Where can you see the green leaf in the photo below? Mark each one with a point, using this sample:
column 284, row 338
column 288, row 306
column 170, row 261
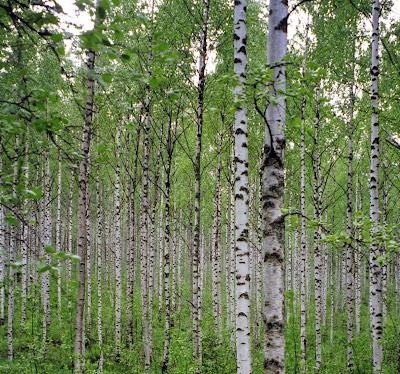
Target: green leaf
column 49, row 249
column 36, row 193
column 11, row 219
column 57, row 37
column 74, row 258
column 125, row 57
column 44, row 268
column 106, row 77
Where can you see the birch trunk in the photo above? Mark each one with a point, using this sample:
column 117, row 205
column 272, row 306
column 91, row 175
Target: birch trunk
column 167, row 262
column 216, row 260
column 303, row 245
column 79, row 366
column 375, row 272
column 357, row 271
column 117, row 246
column 317, row 192
column 24, row 249
column 243, row 347
column 12, row 258
column 196, row 302
column 2, row 251
column 273, row 191
column 144, row 234
column 232, row 245
column 46, row 242
column 350, row 233
column 69, row 231
column 132, row 243
column 99, row 254
column 58, row 234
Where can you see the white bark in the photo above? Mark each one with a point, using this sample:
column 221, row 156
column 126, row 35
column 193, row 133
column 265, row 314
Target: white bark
column 243, row 348
column 24, row 250
column 58, row 234
column 12, row 258
column 303, row 245
column 196, row 302
column 317, row 198
column 144, row 236
column 216, row 251
column 79, row 343
column 2, row 252
column 117, row 246
column 46, row 242
column 350, row 233
column 69, row 231
column 273, row 191
column 99, row 253
column 375, row 273
column 167, row 259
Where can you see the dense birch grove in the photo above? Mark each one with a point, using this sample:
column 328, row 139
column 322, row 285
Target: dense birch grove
column 199, row 187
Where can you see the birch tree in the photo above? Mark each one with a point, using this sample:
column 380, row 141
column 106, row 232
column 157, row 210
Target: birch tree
column 242, row 251
column 375, row 271
column 273, row 190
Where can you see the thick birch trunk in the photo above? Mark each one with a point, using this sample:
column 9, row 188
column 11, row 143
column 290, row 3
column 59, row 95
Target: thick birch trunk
column 273, row 192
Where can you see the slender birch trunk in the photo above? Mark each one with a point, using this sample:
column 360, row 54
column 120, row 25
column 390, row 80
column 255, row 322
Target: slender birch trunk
column 232, row 244
column 99, row 254
column 24, row 249
column 117, row 246
column 350, row 233
column 289, row 252
column 303, row 234
column 303, row 244
column 2, row 251
column 132, row 243
column 375, row 272
column 273, row 192
column 243, row 348
column 161, row 259
column 357, row 270
column 58, row 234
column 196, row 302
column 144, row 234
column 69, row 231
column 317, row 192
column 12, row 257
column 216, row 260
column 167, row 259
column 79, row 366
column 46, row 242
